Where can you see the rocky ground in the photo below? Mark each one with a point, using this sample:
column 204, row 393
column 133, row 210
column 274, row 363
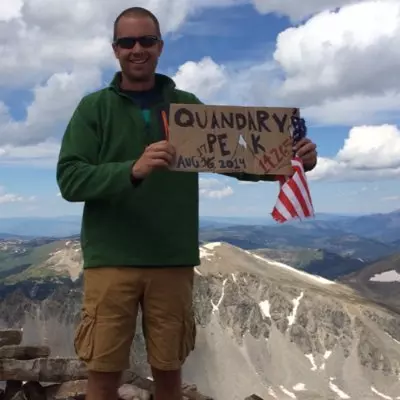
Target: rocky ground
column 30, row 373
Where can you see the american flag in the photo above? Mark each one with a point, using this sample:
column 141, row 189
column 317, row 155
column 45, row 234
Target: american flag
column 294, row 198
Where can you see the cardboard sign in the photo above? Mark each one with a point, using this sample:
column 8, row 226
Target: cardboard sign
column 225, row 139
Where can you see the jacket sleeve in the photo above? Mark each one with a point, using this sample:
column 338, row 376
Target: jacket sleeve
column 79, row 175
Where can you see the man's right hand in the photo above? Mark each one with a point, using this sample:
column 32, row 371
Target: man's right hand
column 157, row 155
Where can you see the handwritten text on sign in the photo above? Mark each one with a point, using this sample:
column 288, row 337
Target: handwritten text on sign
column 231, row 139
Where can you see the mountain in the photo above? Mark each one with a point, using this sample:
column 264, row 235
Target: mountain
column 382, row 227
column 307, row 235
column 263, row 327
column 24, row 259
column 51, row 258
column 285, row 329
column 63, row 226
column 378, row 281
column 314, row 261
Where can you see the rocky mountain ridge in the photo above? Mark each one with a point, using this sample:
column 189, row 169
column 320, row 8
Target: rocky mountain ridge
column 263, row 327
column 46, row 259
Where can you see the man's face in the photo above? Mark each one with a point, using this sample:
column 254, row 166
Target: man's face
column 138, row 62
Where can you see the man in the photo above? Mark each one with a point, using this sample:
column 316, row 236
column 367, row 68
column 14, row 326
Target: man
column 140, row 223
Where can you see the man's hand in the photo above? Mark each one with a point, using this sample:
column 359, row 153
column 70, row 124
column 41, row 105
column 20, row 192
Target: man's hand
column 306, row 150
column 157, row 155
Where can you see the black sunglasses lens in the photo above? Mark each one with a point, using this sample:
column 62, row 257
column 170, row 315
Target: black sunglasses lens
column 147, row 41
column 126, row 43
column 130, row 42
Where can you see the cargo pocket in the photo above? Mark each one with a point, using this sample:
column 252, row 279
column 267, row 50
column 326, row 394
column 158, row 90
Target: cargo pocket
column 85, row 335
column 189, row 336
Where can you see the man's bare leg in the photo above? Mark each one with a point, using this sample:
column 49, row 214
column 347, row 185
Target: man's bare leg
column 167, row 385
column 103, row 385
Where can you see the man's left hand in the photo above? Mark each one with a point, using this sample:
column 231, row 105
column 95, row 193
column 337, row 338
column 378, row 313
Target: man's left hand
column 307, row 151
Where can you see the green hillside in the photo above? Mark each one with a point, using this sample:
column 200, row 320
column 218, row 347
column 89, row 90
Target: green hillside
column 24, row 260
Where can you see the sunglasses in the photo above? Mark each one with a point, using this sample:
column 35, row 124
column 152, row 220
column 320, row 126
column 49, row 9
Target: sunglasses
column 130, row 42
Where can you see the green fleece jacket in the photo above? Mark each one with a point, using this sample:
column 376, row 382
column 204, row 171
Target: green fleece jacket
column 152, row 224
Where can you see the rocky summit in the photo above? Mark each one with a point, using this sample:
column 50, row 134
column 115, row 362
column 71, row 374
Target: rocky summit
column 265, row 330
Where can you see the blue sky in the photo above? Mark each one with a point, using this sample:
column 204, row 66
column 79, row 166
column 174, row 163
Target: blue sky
column 233, row 55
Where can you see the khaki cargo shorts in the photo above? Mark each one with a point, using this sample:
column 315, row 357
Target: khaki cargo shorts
column 112, row 297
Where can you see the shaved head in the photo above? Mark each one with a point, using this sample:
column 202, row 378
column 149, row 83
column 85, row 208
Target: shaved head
column 136, row 12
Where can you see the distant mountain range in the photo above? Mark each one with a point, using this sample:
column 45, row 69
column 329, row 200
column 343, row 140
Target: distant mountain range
column 382, row 227
column 334, row 245
column 65, row 226
column 287, row 237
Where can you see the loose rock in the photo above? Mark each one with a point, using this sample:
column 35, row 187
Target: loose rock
column 43, row 370
column 24, row 352
column 67, row 390
column 130, row 392
column 10, row 337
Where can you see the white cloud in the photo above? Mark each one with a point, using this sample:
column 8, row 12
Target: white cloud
column 52, row 36
column 356, row 109
column 371, row 147
column 237, row 83
column 6, row 197
column 297, row 10
column 391, row 198
column 52, row 104
column 369, row 153
column 329, row 63
column 205, row 78
column 44, row 154
column 336, row 55
column 10, row 9
column 212, row 188
column 329, row 67
column 67, row 46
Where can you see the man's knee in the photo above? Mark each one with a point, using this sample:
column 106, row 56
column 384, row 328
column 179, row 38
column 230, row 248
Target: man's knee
column 169, row 324
column 105, row 380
